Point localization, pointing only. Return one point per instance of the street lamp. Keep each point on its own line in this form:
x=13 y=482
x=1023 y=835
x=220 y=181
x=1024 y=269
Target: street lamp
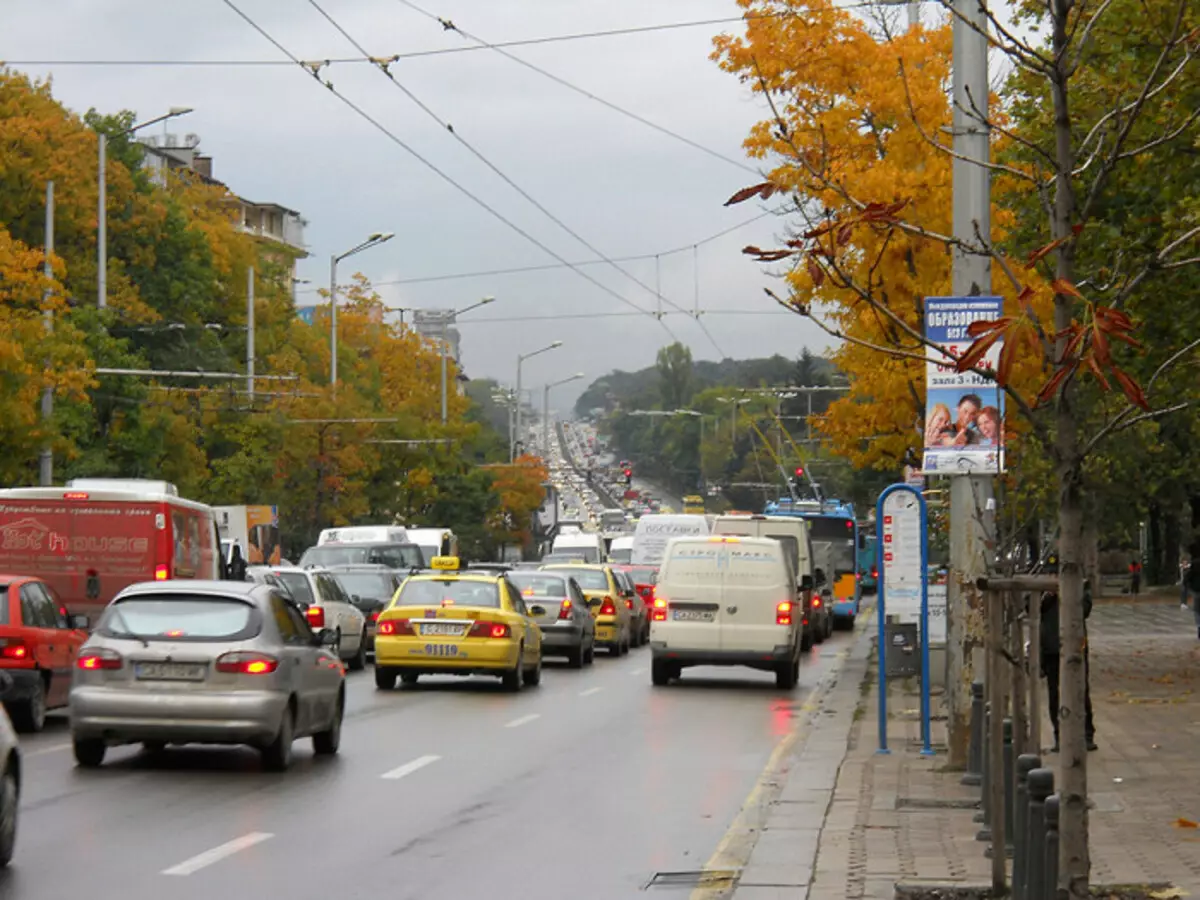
x=454 y=315
x=373 y=241
x=515 y=436
x=546 y=410
x=102 y=218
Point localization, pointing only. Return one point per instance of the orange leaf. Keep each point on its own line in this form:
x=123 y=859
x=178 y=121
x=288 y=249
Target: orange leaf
x=977 y=351
x=1126 y=339
x=1062 y=286
x=817 y=232
x=1007 y=355
x=816 y=273
x=1133 y=391
x=764 y=190
x=1073 y=344
x=1185 y=823
x=844 y=234
x=1115 y=319
x=1050 y=388
x=983 y=326
x=1095 y=368
x=1101 y=346
x=1042 y=252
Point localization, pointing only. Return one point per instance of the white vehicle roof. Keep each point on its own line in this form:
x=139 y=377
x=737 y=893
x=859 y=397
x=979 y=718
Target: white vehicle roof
x=130 y=491
x=428 y=535
x=654 y=530
x=364 y=534
x=624 y=542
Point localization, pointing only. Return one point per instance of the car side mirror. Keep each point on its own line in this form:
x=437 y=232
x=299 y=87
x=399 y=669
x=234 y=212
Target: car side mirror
x=806 y=582
x=326 y=637
x=82 y=623
x=537 y=610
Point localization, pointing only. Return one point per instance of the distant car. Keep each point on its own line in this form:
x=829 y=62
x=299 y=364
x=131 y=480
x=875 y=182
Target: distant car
x=614 y=620
x=371 y=588
x=38 y=644
x=568 y=628
x=10 y=778
x=636 y=604
x=326 y=605
x=210 y=662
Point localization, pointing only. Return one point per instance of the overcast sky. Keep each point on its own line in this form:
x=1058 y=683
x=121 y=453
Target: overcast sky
x=276 y=135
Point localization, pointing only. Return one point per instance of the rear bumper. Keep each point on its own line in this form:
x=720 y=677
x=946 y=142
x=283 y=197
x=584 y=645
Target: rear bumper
x=561 y=639
x=414 y=655
x=25 y=681
x=126 y=716
x=753 y=658
x=844 y=609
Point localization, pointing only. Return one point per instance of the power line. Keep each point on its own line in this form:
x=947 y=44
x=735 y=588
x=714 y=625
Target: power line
x=390 y=135
x=474 y=151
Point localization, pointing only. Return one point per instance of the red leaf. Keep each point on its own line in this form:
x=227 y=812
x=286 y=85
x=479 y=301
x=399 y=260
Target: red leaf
x=1100 y=346
x=817 y=232
x=1073 y=345
x=816 y=273
x=983 y=326
x=1133 y=391
x=1050 y=388
x=844 y=234
x=1077 y=229
x=764 y=190
x=1095 y=367
x=1062 y=286
x=1008 y=354
x=1126 y=339
x=751 y=250
x=1042 y=252
x=1114 y=318
x=977 y=351
x=1027 y=294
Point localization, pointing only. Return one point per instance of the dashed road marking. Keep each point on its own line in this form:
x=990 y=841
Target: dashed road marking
x=590 y=691
x=409 y=767
x=216 y=854
x=524 y=720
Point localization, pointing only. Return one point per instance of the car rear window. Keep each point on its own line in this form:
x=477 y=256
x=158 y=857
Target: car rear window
x=448 y=592
x=644 y=574
x=3 y=604
x=366 y=585
x=395 y=556
x=181 y=617
x=588 y=579
x=539 y=585
x=298 y=586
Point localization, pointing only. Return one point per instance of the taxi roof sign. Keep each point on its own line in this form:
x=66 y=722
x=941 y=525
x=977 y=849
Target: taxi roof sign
x=445 y=563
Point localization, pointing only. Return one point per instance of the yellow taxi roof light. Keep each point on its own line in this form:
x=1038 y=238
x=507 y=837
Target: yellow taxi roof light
x=444 y=563
x=724 y=539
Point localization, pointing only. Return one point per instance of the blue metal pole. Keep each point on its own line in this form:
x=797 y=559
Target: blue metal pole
x=926 y=726
x=880 y=604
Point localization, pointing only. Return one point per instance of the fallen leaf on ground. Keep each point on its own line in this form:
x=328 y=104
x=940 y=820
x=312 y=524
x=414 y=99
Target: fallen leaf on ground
x=1171 y=893
x=1186 y=823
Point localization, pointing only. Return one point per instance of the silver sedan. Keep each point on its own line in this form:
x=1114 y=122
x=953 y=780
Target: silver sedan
x=212 y=662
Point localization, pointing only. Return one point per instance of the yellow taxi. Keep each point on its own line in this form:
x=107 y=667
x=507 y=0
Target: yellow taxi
x=455 y=621
x=614 y=620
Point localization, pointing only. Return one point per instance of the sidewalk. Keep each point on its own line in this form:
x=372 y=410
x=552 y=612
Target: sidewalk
x=900 y=818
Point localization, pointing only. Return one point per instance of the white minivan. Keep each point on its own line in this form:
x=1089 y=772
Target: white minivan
x=726 y=601
x=587 y=545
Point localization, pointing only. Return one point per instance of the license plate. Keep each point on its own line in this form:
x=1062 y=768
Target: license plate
x=169 y=671
x=441 y=650
x=442 y=628
x=691 y=615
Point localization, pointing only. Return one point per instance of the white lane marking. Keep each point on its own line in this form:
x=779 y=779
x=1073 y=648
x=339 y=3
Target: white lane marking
x=590 y=691
x=409 y=767
x=44 y=751
x=524 y=720
x=638 y=672
x=216 y=854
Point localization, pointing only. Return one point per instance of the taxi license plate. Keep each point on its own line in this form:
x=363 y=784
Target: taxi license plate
x=691 y=615
x=445 y=628
x=441 y=650
x=169 y=672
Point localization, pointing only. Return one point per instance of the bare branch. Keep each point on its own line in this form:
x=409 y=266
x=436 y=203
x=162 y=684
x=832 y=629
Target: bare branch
x=1163 y=139
x=1191 y=261
x=1047 y=345
x=1087 y=33
x=1017 y=50
x=1169 y=363
x=979 y=116
x=1159 y=262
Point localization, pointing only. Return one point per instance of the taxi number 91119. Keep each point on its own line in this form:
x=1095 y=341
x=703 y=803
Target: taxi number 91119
x=441 y=650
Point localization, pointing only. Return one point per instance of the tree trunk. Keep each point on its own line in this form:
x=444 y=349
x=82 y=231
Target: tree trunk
x=1155 y=546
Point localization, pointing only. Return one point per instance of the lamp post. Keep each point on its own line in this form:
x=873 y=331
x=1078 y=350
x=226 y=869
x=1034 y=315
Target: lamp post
x=516 y=436
x=445 y=326
x=102 y=217
x=546 y=410
x=373 y=241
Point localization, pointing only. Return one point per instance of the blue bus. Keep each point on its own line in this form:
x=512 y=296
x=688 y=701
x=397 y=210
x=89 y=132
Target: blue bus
x=868 y=560
x=834 y=534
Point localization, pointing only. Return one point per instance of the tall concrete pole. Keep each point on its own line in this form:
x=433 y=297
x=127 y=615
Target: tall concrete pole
x=972 y=503
x=250 y=334
x=333 y=261
x=445 y=414
x=512 y=456
x=46 y=458
x=102 y=227
x=546 y=421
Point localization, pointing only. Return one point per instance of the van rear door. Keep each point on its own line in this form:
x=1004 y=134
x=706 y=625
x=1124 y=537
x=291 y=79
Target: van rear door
x=690 y=582
x=758 y=578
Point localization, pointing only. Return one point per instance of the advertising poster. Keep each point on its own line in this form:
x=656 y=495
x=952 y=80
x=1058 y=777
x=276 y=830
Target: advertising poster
x=964 y=412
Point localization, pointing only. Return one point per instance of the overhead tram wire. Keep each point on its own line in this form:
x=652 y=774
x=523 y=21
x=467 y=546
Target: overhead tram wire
x=478 y=154
x=449 y=25
x=390 y=135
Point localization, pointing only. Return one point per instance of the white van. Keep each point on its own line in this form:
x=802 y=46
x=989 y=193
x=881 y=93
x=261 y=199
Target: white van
x=588 y=545
x=434 y=542
x=725 y=601
x=364 y=534
x=792 y=532
x=653 y=531
x=621 y=550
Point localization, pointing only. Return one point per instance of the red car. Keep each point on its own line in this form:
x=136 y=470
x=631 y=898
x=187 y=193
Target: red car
x=644 y=579
x=38 y=646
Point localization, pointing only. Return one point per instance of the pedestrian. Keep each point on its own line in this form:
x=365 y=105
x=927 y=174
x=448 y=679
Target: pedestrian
x=1051 y=660
x=237 y=565
x=1135 y=577
x=1190 y=585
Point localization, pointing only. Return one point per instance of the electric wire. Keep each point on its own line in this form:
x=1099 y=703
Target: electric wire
x=383 y=129
x=474 y=151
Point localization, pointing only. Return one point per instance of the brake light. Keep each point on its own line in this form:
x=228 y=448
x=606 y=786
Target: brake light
x=816 y=602
x=874 y=572
x=374 y=617
x=860 y=576
x=489 y=630
x=161 y=572
x=244 y=662
x=315 y=616
x=15 y=649
x=629 y=604
x=100 y=658
x=564 y=611
x=783 y=613
x=395 y=627
x=75 y=495
x=608 y=608
x=659 y=613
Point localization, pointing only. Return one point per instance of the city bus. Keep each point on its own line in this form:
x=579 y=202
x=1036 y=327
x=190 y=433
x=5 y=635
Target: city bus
x=868 y=560
x=834 y=534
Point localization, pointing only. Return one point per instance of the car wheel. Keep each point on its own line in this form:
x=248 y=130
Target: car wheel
x=787 y=675
x=409 y=678
x=89 y=752
x=850 y=623
x=277 y=755
x=589 y=656
x=337 y=644
x=614 y=649
x=533 y=677
x=30 y=714
x=10 y=798
x=818 y=627
x=385 y=679
x=806 y=641
x=511 y=680
x=660 y=672
x=576 y=657
x=359 y=661
x=326 y=743
x=154 y=746
x=828 y=625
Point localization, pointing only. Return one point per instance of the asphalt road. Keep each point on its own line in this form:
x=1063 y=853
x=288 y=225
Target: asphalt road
x=585 y=787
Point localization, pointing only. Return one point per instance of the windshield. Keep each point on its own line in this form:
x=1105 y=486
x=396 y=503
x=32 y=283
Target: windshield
x=622 y=555
x=449 y=592
x=833 y=543
x=644 y=575
x=534 y=585
x=181 y=617
x=366 y=585
x=587 y=553
x=298 y=587
x=394 y=556
x=588 y=579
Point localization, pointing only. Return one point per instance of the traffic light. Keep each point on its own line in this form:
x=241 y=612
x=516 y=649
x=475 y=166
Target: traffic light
x=798 y=480
x=628 y=477
x=799 y=472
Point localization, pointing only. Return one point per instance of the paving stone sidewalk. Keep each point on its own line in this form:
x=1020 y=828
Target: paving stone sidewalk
x=902 y=818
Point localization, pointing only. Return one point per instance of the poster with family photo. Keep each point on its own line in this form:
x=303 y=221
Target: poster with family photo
x=964 y=411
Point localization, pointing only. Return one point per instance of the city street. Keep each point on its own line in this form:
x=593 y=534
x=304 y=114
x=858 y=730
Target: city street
x=586 y=786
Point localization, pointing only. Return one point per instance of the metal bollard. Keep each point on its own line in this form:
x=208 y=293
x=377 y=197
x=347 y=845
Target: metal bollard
x=1051 y=851
x=1026 y=763
x=984 y=815
x=1009 y=786
x=1041 y=786
x=974 y=773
